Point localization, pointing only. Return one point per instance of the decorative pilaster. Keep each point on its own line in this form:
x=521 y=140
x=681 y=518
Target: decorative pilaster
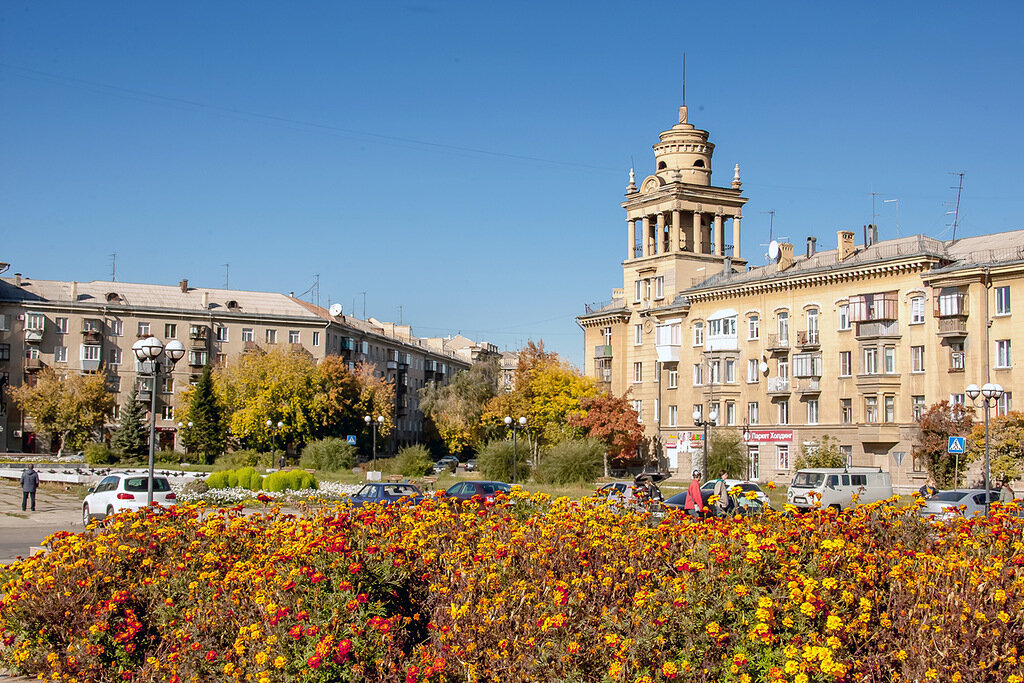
x=646 y=236
x=659 y=242
x=719 y=236
x=631 y=237
x=736 y=235
x=698 y=233
x=678 y=240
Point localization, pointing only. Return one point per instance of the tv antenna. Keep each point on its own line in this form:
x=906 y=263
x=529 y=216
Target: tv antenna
x=227 y=266
x=956 y=209
x=874 y=214
x=773 y=245
x=113 y=267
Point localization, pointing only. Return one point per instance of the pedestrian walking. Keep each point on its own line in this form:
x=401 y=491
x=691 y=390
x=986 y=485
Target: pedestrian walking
x=29 y=484
x=694 y=502
x=1005 y=492
x=722 y=491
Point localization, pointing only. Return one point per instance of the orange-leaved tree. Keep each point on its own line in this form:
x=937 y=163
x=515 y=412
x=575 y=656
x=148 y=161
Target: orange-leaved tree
x=613 y=421
x=941 y=421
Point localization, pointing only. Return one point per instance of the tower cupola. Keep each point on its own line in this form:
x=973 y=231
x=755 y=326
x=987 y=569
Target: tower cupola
x=684 y=153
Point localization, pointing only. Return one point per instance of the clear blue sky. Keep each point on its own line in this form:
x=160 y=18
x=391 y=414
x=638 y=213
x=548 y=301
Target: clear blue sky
x=465 y=160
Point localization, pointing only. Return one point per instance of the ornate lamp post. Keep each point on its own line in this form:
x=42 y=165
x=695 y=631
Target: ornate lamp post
x=516 y=426
x=706 y=424
x=150 y=350
x=373 y=428
x=273 y=438
x=990 y=394
x=181 y=427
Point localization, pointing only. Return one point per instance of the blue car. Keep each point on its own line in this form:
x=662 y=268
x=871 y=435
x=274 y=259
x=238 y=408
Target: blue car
x=386 y=494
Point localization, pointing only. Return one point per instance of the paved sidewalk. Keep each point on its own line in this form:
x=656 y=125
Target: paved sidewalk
x=56 y=510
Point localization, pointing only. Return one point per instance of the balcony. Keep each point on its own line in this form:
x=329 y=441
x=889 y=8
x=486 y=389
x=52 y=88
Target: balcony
x=34 y=364
x=667 y=353
x=872 y=307
x=807 y=339
x=198 y=332
x=778 y=343
x=878 y=432
x=951 y=305
x=778 y=386
x=808 y=386
x=92 y=336
x=953 y=327
x=196 y=361
x=603 y=351
x=880 y=328
x=252 y=347
x=33 y=336
x=392 y=365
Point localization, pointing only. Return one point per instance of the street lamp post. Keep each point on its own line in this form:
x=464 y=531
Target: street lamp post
x=516 y=426
x=273 y=439
x=699 y=422
x=373 y=428
x=990 y=394
x=181 y=426
x=150 y=350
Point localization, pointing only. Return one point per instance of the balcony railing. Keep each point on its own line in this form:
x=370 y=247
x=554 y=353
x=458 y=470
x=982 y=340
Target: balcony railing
x=252 y=346
x=808 y=386
x=953 y=327
x=34 y=364
x=197 y=332
x=807 y=339
x=33 y=336
x=92 y=336
x=603 y=351
x=777 y=342
x=778 y=385
x=879 y=329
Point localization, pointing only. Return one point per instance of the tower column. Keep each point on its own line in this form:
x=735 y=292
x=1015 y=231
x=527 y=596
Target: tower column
x=678 y=239
x=736 y=236
x=631 y=237
x=659 y=243
x=646 y=236
x=698 y=233
x=719 y=236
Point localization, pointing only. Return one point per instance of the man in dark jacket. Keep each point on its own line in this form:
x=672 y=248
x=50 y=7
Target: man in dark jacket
x=29 y=484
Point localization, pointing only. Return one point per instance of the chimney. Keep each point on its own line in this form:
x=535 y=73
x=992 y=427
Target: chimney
x=727 y=266
x=785 y=255
x=17 y=279
x=874 y=233
x=812 y=246
x=206 y=300
x=184 y=286
x=846 y=246
x=74 y=291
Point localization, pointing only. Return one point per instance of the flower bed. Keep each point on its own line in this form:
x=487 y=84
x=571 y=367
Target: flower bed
x=326 y=490
x=522 y=590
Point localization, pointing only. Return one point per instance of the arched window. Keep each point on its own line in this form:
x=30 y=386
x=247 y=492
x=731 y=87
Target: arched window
x=699 y=163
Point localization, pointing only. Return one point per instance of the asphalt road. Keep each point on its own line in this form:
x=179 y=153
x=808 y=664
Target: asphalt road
x=56 y=510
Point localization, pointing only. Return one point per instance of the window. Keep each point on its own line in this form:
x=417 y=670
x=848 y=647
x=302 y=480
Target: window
x=917 y=310
x=753 y=370
x=698 y=334
x=32 y=352
x=714 y=367
x=167 y=386
x=753 y=463
x=783 y=368
x=722 y=327
x=271 y=336
x=783 y=413
x=248 y=335
x=784 y=328
x=5 y=351
x=698 y=374
x=956 y=399
x=845 y=363
x=293 y=337
x=197 y=358
x=91 y=352
x=607 y=333
x=889 y=359
x=871 y=409
x=60 y=323
x=221 y=333
x=5 y=322
x=956 y=356
x=753 y=327
x=844 y=316
x=673 y=379
x=92 y=325
x=952 y=302
x=1005 y=404
x=870 y=361
x=114 y=386
x=116 y=328
x=143 y=329
x=917 y=406
x=1003 y=359
x=752 y=413
x=783 y=452
x=221 y=358
x=917 y=359
x=673 y=416
x=60 y=354
x=170 y=330
x=638 y=335
x=638 y=372
x=636 y=291
x=659 y=287
x=1002 y=300
x=657 y=371
x=807 y=365
x=846 y=410
x=730 y=413
x=890 y=408
x=638 y=406
x=35 y=321
x=167 y=412
x=316 y=342
x=730 y=370
x=657 y=410
x=812 y=325
x=114 y=357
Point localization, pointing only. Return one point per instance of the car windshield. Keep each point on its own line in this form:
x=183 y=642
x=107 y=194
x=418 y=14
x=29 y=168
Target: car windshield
x=139 y=484
x=367 y=492
x=808 y=480
x=949 y=496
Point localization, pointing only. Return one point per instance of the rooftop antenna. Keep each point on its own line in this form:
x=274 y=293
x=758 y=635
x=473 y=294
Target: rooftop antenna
x=113 y=267
x=316 y=290
x=227 y=266
x=684 y=79
x=773 y=246
x=364 y=304
x=874 y=214
x=956 y=210
x=890 y=201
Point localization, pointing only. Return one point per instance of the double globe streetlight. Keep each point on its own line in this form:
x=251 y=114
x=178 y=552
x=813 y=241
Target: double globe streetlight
x=150 y=350
x=373 y=428
x=706 y=424
x=516 y=426
x=990 y=394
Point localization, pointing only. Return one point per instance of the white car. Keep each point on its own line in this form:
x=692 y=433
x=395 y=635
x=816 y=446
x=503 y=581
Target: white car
x=745 y=487
x=945 y=504
x=122 y=491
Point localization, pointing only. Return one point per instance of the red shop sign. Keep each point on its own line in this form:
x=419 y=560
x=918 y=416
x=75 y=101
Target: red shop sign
x=761 y=435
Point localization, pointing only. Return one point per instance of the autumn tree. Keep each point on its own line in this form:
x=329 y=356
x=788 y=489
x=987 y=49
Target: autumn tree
x=456 y=409
x=337 y=399
x=614 y=422
x=937 y=424
x=1006 y=445
x=727 y=453
x=376 y=398
x=823 y=452
x=67 y=407
x=205 y=432
x=131 y=437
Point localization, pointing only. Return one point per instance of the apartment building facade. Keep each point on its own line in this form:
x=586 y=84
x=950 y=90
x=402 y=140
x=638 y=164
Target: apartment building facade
x=90 y=326
x=853 y=342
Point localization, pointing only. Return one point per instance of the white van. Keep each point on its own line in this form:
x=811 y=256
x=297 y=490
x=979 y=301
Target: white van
x=836 y=486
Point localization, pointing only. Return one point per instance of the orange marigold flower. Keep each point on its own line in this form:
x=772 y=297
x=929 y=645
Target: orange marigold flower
x=314 y=662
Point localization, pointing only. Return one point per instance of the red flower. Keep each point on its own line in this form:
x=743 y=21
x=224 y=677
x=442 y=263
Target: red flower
x=355 y=568
x=288 y=585
x=314 y=662
x=295 y=632
x=343 y=651
x=211 y=655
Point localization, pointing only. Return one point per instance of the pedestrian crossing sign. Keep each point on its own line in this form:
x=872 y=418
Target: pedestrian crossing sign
x=352 y=439
x=957 y=444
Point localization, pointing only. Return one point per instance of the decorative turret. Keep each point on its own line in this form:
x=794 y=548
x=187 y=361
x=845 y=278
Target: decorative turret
x=684 y=153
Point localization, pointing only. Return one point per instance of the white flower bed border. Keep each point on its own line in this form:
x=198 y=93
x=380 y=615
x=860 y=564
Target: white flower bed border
x=328 y=490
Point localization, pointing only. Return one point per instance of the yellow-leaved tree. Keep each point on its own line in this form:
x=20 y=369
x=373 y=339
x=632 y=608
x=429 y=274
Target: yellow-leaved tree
x=69 y=408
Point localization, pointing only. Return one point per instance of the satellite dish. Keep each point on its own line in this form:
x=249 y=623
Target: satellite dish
x=763 y=367
x=773 y=250
x=335 y=310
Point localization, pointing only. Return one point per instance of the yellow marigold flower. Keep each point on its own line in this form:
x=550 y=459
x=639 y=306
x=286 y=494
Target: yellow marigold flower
x=280 y=662
x=800 y=678
x=956 y=677
x=261 y=658
x=833 y=623
x=931 y=674
x=792 y=667
x=1003 y=617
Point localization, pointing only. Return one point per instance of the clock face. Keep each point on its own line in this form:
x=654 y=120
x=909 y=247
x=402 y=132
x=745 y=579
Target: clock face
x=648 y=326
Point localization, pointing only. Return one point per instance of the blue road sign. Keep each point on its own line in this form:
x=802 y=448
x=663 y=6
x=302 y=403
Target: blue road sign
x=957 y=444
x=352 y=439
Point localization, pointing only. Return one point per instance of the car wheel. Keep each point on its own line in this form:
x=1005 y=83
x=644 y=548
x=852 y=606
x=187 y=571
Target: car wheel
x=835 y=506
x=85 y=515
x=110 y=511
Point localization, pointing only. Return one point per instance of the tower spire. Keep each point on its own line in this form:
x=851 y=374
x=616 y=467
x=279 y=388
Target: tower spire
x=682 y=107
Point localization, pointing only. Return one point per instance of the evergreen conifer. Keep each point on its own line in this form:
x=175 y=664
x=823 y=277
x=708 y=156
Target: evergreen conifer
x=207 y=434
x=131 y=438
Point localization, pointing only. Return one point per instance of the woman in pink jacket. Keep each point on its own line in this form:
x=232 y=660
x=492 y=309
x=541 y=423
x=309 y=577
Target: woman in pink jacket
x=694 y=503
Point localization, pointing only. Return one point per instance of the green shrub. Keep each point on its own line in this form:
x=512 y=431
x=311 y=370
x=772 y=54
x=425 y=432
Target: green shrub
x=572 y=461
x=275 y=481
x=248 y=478
x=300 y=479
x=99 y=454
x=218 y=480
x=170 y=457
x=411 y=461
x=495 y=461
x=328 y=455
x=249 y=458
x=232 y=478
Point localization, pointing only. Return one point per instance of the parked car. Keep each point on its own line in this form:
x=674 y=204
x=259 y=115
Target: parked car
x=835 y=487
x=742 y=504
x=617 y=492
x=120 y=491
x=386 y=494
x=447 y=463
x=464 y=490
x=746 y=487
x=945 y=504
x=472 y=466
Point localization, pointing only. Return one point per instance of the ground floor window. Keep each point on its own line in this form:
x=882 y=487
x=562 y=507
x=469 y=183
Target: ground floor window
x=783 y=452
x=753 y=463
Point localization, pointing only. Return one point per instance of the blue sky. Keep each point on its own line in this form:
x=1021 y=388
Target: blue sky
x=463 y=162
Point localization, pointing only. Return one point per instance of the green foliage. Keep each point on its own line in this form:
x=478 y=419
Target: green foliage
x=294 y=480
x=939 y=422
x=218 y=480
x=70 y=407
x=132 y=437
x=1006 y=445
x=456 y=408
x=99 y=454
x=328 y=455
x=727 y=453
x=206 y=431
x=245 y=477
x=412 y=461
x=249 y=458
x=495 y=461
x=820 y=453
x=572 y=461
x=170 y=457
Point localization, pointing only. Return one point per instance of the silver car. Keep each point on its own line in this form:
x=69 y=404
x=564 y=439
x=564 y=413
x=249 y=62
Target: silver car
x=945 y=505
x=120 y=491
